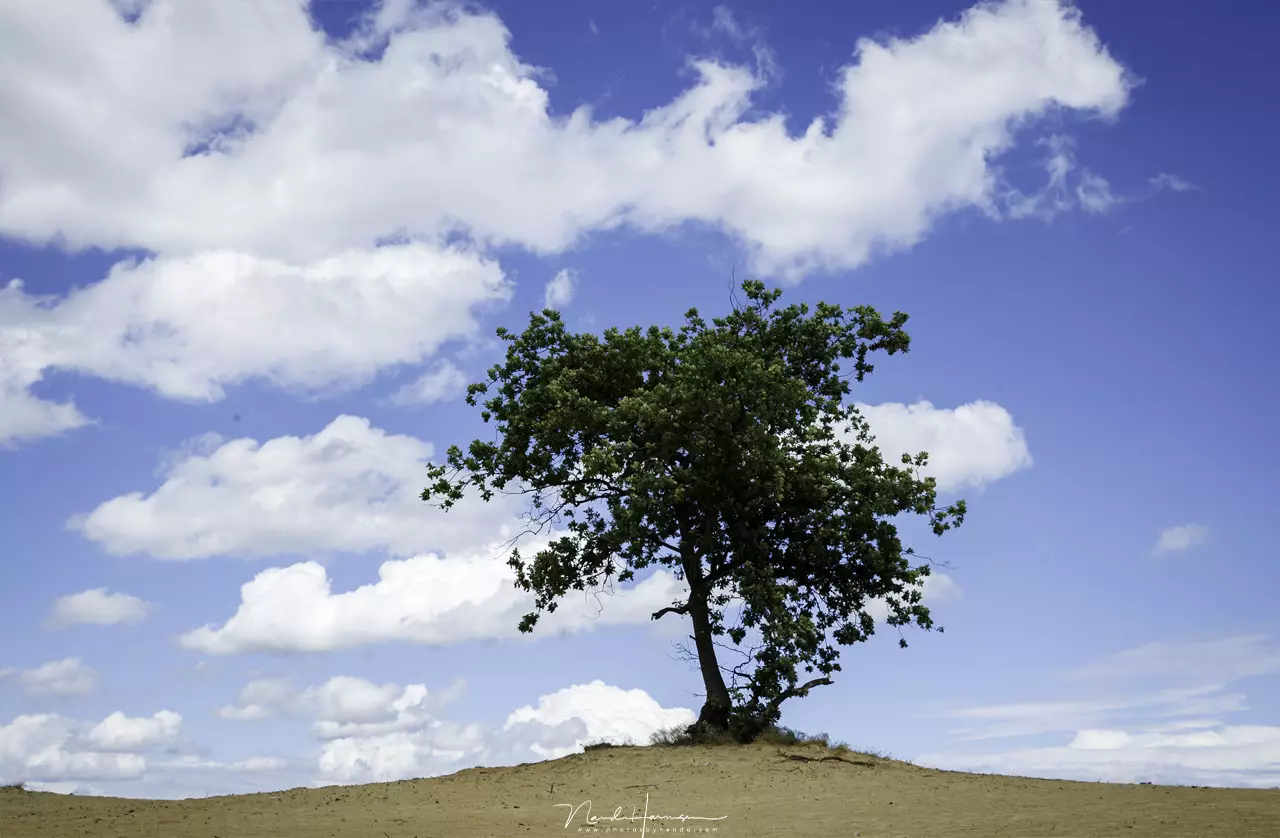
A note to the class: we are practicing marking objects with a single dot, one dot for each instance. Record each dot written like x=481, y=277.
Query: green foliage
x=717, y=453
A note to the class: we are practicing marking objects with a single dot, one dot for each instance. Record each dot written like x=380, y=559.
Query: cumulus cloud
x=560, y=724
x=447, y=128
x=343, y=706
x=349, y=487
x=44, y=748
x=98, y=607
x=261, y=699
x=442, y=382
x=353, y=487
x=67, y=677
x=262, y=165
x=187, y=328
x=559, y=291
x=119, y=732
x=607, y=713
x=49, y=748
x=122, y=756
x=1179, y=538
x=25, y=417
x=423, y=599
x=970, y=445
x=381, y=732
x=430, y=600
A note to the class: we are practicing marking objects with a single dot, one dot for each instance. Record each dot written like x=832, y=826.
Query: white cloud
x=441, y=383
x=1229, y=755
x=24, y=417
x=261, y=699
x=97, y=607
x=66, y=677
x=423, y=599
x=262, y=164
x=345, y=701
x=49, y=748
x=381, y=732
x=937, y=587
x=343, y=706
x=1036, y=717
x=349, y=487
x=438, y=749
x=121, y=756
x=1164, y=180
x=77, y=788
x=353, y=487
x=559, y=291
x=1095, y=195
x=119, y=732
x=449, y=128
x=608, y=714
x=44, y=748
x=189, y=327
x=970, y=445
x=257, y=764
x=1177, y=733
x=1181, y=537
x=744, y=35
x=250, y=765
x=1091, y=192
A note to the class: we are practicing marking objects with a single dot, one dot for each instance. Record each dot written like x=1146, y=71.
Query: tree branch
x=800, y=691
x=670, y=609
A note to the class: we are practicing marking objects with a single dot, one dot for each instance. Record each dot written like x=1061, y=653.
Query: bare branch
x=670, y=609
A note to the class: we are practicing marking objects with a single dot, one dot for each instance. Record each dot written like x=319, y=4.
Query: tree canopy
x=727, y=454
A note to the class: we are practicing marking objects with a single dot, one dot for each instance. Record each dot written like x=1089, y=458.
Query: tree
x=725, y=453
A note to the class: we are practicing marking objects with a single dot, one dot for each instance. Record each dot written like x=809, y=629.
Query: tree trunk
x=715, y=711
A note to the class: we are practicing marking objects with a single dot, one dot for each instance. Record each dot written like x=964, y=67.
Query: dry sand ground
x=757, y=789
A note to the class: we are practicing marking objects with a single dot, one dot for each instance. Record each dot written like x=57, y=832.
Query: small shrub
x=769, y=735
x=671, y=736
x=775, y=735
x=681, y=735
x=598, y=746
x=19, y=786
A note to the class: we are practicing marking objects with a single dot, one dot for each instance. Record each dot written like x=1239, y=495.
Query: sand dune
x=728, y=791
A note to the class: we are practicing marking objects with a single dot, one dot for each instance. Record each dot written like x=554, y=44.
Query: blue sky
x=250, y=256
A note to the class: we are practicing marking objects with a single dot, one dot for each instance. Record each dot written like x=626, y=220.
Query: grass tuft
x=603, y=744
x=774, y=735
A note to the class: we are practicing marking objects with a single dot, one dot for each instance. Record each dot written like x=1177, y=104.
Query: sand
x=749, y=790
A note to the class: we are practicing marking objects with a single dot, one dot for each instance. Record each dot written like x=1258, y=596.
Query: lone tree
x=727, y=455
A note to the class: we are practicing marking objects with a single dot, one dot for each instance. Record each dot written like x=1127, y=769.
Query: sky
x=252, y=253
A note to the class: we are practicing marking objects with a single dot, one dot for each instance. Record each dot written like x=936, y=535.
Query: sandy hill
x=748, y=790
